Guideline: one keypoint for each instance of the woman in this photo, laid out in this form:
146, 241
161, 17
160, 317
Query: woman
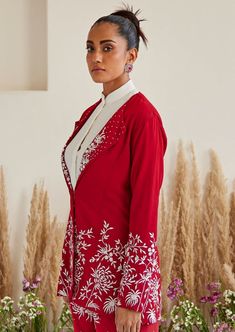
113, 166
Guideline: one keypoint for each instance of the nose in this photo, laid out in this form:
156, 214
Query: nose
96, 57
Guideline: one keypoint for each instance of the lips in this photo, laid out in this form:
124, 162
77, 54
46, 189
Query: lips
98, 69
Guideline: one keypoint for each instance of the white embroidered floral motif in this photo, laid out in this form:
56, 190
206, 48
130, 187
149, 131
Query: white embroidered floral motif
102, 279
79, 256
110, 133
65, 279
139, 287
80, 311
113, 255
64, 168
91, 149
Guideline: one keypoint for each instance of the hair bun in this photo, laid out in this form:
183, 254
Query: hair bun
127, 12
130, 15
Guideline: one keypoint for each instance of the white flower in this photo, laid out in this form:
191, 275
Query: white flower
152, 316
109, 305
133, 297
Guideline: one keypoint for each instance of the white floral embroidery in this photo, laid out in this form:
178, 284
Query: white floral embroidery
138, 253
152, 318
79, 256
89, 153
64, 168
79, 259
102, 279
139, 290
114, 255
80, 311
110, 305
65, 279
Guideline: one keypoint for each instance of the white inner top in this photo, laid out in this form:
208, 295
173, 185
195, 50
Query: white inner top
96, 121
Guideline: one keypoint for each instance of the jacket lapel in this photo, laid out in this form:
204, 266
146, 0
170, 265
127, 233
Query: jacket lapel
78, 126
105, 139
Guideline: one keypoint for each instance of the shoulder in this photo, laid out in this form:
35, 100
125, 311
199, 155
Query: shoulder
142, 116
140, 110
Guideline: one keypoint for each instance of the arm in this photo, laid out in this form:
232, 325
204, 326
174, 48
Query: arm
140, 284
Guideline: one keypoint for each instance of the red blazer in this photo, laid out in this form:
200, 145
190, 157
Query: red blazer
110, 253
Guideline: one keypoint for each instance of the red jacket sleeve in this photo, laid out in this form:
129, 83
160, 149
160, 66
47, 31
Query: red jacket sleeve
139, 289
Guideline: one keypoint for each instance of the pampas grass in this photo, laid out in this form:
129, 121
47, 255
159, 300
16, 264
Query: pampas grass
229, 277
167, 247
216, 240
5, 259
232, 226
32, 232
43, 249
195, 196
183, 265
221, 205
197, 231
56, 241
42, 254
179, 184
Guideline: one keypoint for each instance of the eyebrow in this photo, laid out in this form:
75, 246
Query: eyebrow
102, 41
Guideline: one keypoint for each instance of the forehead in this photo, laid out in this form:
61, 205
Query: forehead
105, 30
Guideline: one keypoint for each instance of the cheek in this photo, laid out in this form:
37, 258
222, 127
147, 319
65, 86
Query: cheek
87, 59
117, 59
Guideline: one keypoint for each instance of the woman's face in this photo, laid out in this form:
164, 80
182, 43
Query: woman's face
107, 50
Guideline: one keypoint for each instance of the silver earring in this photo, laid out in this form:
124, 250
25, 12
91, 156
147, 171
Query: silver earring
128, 67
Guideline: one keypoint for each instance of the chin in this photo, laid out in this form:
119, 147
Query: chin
97, 80
100, 79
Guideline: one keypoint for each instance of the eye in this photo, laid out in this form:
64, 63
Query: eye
108, 48
88, 48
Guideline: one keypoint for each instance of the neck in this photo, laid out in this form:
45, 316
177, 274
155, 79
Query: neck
109, 87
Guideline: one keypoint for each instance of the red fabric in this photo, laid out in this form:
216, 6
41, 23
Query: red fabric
107, 324
110, 254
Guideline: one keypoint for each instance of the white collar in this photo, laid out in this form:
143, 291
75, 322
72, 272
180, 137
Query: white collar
118, 93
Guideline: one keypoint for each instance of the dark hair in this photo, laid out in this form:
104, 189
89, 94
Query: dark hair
128, 25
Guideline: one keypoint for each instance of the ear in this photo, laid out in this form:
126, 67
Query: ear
133, 54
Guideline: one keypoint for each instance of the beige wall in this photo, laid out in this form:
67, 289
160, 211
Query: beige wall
23, 40
188, 73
